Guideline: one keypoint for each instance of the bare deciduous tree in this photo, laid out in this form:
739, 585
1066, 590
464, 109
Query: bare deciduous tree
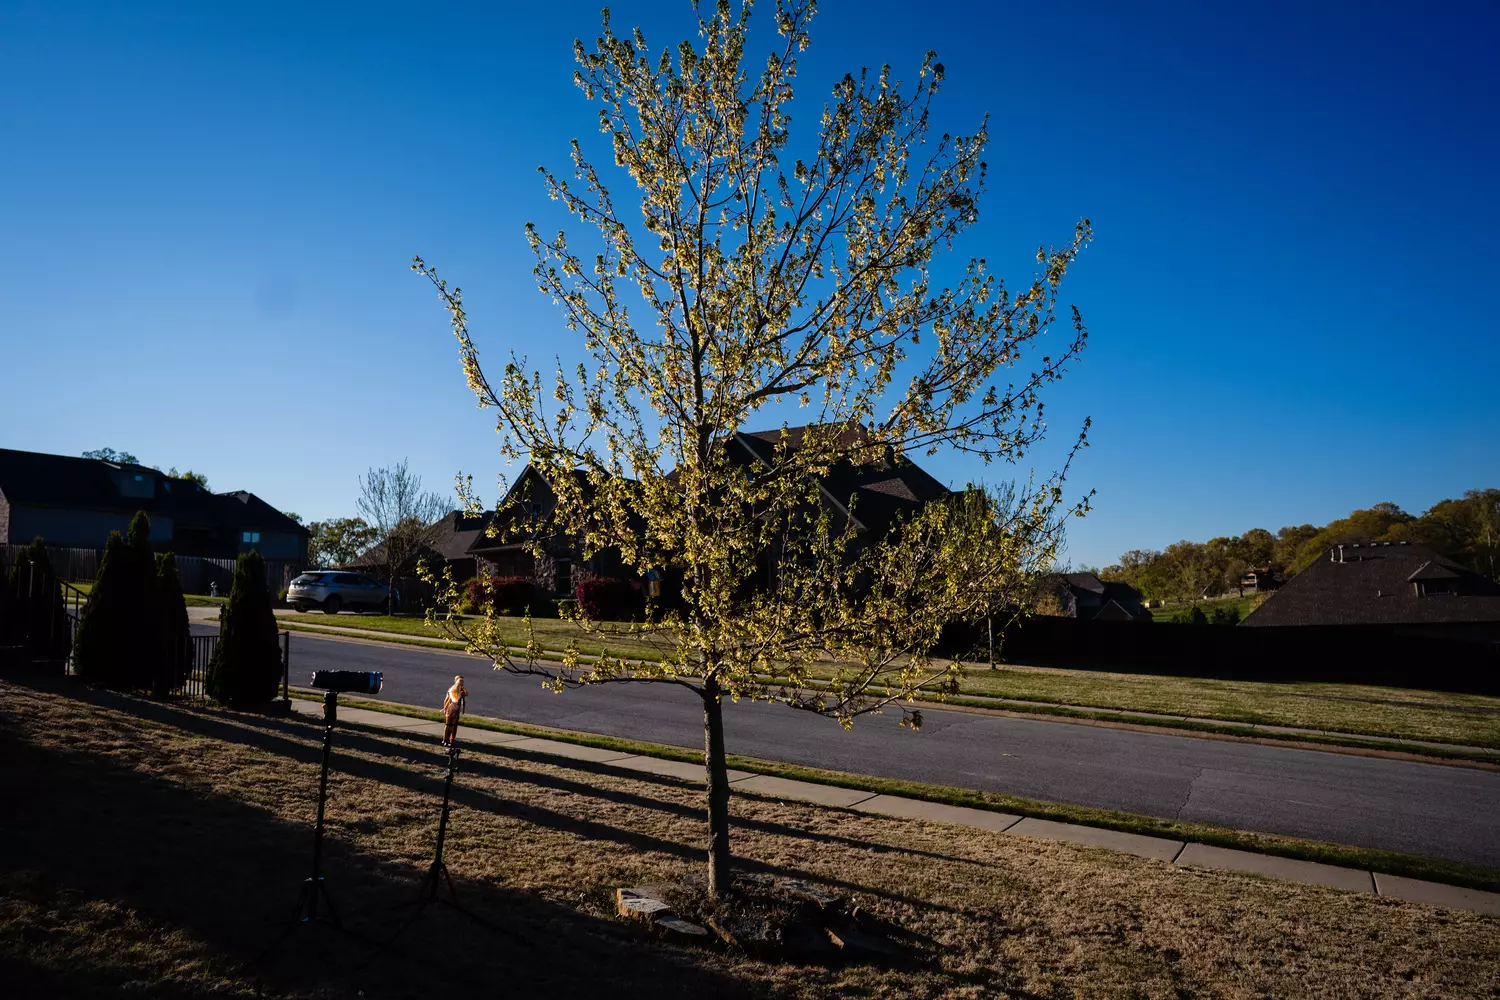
394, 504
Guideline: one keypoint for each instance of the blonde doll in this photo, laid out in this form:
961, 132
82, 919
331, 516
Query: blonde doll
453, 708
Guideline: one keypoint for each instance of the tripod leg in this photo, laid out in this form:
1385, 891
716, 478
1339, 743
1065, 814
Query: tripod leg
452, 892
328, 901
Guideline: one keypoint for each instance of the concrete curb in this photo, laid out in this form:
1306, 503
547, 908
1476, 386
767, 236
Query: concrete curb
1175, 852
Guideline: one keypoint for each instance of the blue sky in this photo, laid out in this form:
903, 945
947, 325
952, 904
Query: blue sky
208, 211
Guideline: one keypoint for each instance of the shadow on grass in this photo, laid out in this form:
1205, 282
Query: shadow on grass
94, 836
286, 736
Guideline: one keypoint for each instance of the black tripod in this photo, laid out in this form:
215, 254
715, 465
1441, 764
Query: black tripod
437, 873
313, 888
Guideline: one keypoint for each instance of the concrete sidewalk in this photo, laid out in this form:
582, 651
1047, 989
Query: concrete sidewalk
1175, 852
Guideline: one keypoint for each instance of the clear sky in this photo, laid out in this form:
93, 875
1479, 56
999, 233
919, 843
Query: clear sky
207, 212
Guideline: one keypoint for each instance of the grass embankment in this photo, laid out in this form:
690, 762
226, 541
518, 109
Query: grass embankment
553, 634
1389, 862
193, 600
1244, 605
1358, 710
208, 812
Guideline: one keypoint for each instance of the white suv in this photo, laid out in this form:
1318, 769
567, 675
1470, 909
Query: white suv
335, 591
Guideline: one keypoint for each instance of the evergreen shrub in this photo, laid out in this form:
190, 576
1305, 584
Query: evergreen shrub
246, 666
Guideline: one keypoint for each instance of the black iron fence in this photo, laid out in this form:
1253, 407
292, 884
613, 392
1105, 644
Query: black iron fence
191, 684
197, 573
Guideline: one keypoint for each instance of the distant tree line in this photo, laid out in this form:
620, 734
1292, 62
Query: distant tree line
1465, 529
126, 458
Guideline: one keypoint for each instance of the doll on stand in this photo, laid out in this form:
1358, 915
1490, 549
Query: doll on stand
453, 709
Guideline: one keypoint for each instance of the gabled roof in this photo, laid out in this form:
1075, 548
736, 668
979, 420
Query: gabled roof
1374, 585
875, 494
1085, 581
37, 479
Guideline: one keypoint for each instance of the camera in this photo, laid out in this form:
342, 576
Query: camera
351, 681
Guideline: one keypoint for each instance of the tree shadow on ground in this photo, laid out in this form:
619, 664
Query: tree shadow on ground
289, 736
226, 873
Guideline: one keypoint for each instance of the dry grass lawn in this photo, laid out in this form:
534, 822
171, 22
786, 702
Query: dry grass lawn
151, 849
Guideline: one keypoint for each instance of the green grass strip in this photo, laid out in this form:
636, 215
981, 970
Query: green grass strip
1367, 859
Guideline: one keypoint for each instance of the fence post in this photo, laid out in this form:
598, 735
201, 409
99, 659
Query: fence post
286, 668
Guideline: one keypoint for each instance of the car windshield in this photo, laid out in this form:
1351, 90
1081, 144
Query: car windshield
309, 578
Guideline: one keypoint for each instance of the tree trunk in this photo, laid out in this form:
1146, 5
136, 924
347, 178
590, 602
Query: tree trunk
717, 777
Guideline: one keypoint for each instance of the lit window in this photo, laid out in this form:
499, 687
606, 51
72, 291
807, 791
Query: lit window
249, 537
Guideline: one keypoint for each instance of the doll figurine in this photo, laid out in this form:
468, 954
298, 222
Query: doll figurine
453, 708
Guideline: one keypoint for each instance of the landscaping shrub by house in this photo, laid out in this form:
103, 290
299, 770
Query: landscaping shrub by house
603, 598
119, 638
246, 665
512, 596
176, 637
31, 610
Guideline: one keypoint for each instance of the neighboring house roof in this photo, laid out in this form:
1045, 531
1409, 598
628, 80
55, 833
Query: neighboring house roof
1114, 612
1377, 585
1085, 581
875, 494
35, 479
1087, 596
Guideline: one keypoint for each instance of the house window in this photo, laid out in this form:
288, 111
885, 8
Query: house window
249, 537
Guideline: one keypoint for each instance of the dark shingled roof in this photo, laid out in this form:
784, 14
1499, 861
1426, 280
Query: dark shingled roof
1375, 585
877, 493
34, 479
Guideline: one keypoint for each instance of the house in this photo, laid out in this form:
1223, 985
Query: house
873, 496
1258, 581
77, 502
444, 542
1398, 584
1086, 597
501, 546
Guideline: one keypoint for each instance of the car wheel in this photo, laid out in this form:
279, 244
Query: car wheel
332, 605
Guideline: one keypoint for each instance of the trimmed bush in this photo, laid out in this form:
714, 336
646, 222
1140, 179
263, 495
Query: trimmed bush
246, 666
512, 596
176, 638
119, 639
603, 598
32, 613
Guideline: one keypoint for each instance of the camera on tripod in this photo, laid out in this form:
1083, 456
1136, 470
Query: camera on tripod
349, 681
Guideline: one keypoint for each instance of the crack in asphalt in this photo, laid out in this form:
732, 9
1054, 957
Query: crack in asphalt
1189, 797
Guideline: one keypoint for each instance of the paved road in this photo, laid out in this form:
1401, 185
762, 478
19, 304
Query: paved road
1430, 809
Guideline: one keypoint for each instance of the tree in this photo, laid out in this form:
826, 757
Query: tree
338, 542
246, 662
34, 612
397, 508
118, 643
804, 283
196, 477
176, 636
110, 455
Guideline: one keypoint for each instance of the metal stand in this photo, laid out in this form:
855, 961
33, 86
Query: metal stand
437, 872
314, 890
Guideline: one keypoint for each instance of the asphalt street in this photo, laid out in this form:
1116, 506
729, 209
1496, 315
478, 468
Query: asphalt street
1429, 809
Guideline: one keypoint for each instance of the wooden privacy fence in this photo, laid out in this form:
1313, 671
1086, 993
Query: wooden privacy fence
1349, 654
197, 572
